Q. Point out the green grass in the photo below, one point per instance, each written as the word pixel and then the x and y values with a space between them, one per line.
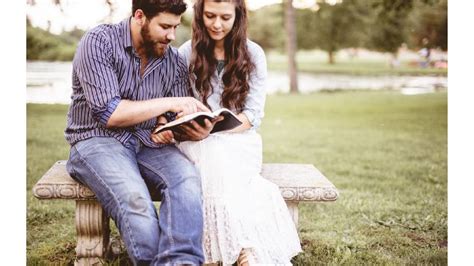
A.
pixel 375 64
pixel 385 152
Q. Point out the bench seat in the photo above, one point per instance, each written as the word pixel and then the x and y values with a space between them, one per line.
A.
pixel 297 183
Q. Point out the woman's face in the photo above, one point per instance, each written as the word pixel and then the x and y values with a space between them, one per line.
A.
pixel 218 18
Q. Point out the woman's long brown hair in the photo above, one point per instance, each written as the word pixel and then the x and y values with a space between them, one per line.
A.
pixel 238 65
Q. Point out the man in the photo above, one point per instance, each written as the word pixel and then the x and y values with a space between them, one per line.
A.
pixel 124 77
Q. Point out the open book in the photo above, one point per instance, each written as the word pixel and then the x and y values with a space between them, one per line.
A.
pixel 229 122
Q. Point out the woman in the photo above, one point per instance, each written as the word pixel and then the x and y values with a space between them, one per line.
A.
pixel 245 218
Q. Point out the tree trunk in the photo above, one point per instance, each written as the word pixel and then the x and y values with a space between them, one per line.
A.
pixel 331 57
pixel 291 44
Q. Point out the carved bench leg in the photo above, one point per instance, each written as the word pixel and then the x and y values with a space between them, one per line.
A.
pixel 293 208
pixel 92 228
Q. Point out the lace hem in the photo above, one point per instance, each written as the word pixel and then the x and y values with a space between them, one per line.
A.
pixel 225 235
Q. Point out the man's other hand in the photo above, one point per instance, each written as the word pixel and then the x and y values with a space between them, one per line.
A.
pixel 194 132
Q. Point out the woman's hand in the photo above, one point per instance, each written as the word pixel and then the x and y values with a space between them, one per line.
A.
pixel 165 137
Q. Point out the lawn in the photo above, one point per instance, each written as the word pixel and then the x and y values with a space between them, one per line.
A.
pixel 385 152
pixel 367 63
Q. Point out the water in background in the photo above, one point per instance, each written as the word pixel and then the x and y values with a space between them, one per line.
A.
pixel 50 82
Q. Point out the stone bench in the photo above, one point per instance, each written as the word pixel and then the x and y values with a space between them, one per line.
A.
pixel 297 182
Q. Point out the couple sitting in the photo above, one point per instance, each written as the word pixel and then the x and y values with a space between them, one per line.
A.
pixel 215 206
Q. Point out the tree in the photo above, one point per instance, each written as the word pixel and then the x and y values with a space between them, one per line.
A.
pixel 388 30
pixel 429 21
pixel 291 44
pixel 263 24
pixel 333 26
pixel 43 45
pixel 306 29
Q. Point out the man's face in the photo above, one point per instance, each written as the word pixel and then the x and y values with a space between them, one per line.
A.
pixel 158 32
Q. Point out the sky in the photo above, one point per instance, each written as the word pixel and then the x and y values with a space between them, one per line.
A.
pixel 85 14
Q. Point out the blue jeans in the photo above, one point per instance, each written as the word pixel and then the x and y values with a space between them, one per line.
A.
pixel 121 176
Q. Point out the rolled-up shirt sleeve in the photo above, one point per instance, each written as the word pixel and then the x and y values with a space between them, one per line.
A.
pixel 255 102
pixel 97 76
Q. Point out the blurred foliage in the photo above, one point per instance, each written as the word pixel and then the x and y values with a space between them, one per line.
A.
pixel 183 33
pixel 266 27
pixel 333 27
pixel 429 20
pixel 43 45
pixel 381 25
pixel 388 30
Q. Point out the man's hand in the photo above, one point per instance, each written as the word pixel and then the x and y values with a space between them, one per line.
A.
pixel 187 105
pixel 165 137
pixel 193 131
pixel 129 113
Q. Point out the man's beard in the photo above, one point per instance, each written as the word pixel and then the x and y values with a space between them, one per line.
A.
pixel 152 48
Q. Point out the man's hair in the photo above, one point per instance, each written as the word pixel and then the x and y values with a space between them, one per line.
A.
pixel 151 8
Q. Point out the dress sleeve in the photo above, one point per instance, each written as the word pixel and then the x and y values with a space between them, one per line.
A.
pixel 185 51
pixel 255 102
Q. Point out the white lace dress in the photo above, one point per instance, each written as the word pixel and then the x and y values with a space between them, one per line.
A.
pixel 241 208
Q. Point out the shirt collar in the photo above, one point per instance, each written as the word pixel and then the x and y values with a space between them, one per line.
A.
pixel 125 24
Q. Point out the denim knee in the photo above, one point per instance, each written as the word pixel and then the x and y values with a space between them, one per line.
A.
pixel 110 170
pixel 139 204
pixel 188 181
